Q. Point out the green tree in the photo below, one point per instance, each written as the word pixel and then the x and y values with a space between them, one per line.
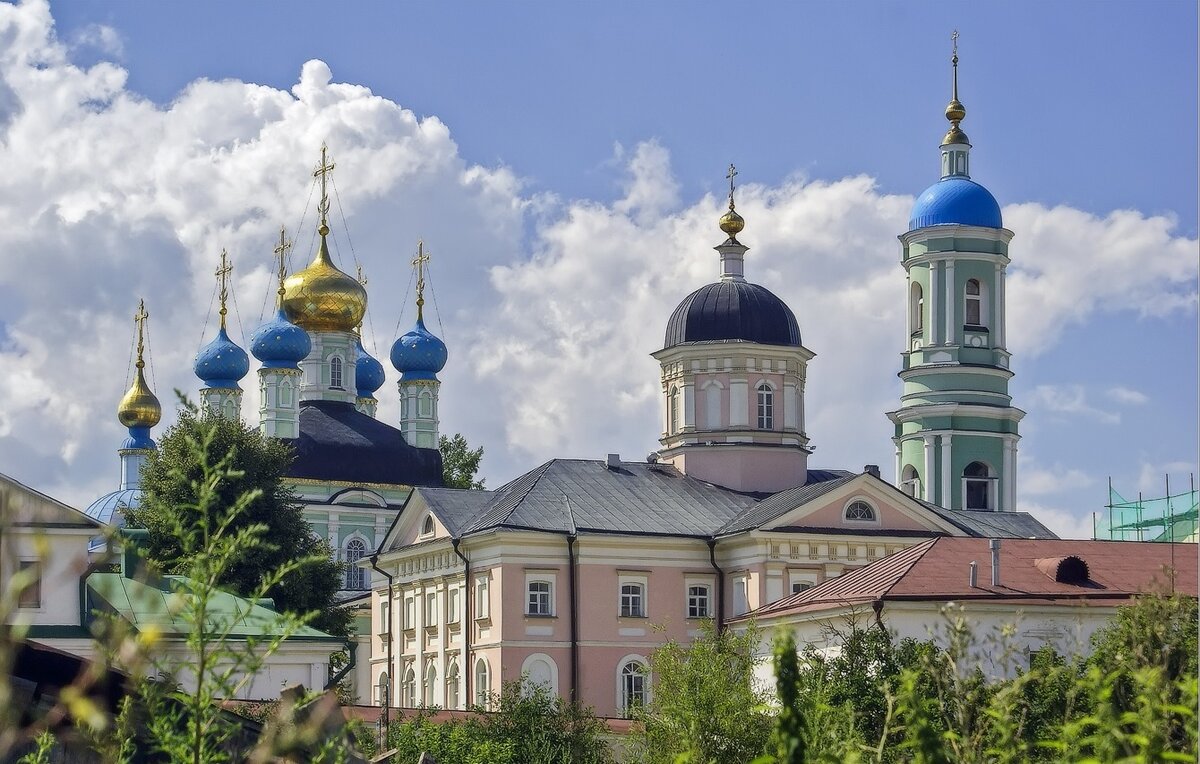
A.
pixel 173 480
pixel 704 706
pixel 460 463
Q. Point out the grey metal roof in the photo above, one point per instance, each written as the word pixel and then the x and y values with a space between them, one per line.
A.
pixel 456 507
pixel 819 482
pixel 565 495
pixel 989 524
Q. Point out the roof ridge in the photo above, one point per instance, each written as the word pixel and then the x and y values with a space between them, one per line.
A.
pixel 498 500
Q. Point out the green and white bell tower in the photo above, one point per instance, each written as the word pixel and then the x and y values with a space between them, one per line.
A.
pixel 956 428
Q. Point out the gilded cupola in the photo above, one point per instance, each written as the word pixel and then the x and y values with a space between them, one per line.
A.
pixel 321 297
pixel 140 407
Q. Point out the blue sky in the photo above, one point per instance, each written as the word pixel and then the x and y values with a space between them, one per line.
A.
pixel 549 148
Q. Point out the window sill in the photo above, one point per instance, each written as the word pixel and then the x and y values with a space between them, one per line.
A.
pixel 624 616
pixel 540 615
pixel 699 618
pixel 483 620
pixel 975 328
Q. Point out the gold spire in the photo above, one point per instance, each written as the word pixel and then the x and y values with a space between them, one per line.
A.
pixel 321 297
pixel 731 222
pixel 222 274
pixel 140 407
pixel 362 281
pixel 955 111
pixel 281 251
pixel 418 262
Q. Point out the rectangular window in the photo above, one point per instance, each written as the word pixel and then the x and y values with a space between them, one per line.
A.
pixel 410 612
pixel 431 609
pixel 799 586
pixel 482 599
pixel 698 602
pixel 633 601
pixel 538 601
pixel 31 595
pixel 452 606
pixel 385 614
pixel 741 600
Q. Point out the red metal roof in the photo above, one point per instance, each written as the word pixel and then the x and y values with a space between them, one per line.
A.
pixel 939 570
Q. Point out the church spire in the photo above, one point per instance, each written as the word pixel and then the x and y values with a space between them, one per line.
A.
pixel 221 364
pixel 732 251
pixel 956 148
pixel 139 410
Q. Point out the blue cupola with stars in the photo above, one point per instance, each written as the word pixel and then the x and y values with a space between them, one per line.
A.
pixel 279 343
pixel 955 199
pixel 368 373
pixel 221 364
pixel 419 354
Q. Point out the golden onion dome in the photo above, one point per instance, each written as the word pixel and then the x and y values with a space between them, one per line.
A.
pixel 732 223
pixel 955 135
pixel 955 111
pixel 321 297
pixel 139 407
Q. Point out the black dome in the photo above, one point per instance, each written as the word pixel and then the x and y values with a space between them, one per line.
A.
pixel 733 310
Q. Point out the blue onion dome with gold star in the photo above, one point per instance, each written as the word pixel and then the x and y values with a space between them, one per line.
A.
pixel 368 372
pixel 955 199
pixel 221 363
pixel 279 343
pixel 419 354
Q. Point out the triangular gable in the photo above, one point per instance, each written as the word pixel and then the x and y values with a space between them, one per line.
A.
pixel 893 509
pixel 25 506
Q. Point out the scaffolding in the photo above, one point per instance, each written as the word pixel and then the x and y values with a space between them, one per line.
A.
pixel 1169 518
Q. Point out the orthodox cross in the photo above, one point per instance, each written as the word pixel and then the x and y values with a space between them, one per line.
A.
pixel 281 253
pixel 323 169
pixel 139 318
pixel 362 280
pixel 731 175
pixel 419 263
pixel 954 61
pixel 222 274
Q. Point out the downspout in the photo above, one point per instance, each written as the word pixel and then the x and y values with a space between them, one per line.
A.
pixel 387 702
pixel 466 670
pixel 712 558
pixel 574 584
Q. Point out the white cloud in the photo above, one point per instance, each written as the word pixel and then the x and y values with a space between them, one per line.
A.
pixel 1066 523
pixel 1069 399
pixel 1127 396
pixel 1038 481
pixel 101 38
pixel 550 307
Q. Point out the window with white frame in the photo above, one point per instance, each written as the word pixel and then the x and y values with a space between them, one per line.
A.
pixel 910 481
pixel 410 612
pixel 452 687
pixel 741 598
pixel 974 303
pixel 356 577
pixel 431 609
pixel 427 526
pixel 410 688
pixel 699 601
pixel 539 600
pixel 861 511
pixel 634 685
pixel 633 600
pixel 766 407
pixel 482 600
pixel 916 308
pixel 385 615
pixel 452 599
pixel 977 486
pixel 335 372
pixel 483 684
pixel 675 406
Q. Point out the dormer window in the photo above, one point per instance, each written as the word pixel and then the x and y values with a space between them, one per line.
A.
pixel 427 526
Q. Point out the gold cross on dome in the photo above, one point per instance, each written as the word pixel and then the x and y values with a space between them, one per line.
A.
pixel 419 263
pixel 139 318
pixel 731 175
pixel 362 280
pixel 323 170
pixel 222 274
pixel 281 251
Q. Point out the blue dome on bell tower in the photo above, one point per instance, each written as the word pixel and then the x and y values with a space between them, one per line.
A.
pixel 221 363
pixel 955 200
pixel 368 372
pixel 419 354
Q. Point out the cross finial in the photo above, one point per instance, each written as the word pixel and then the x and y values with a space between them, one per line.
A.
pixel 222 274
pixel 281 251
pixel 954 61
pixel 139 318
pixel 419 263
pixel 731 175
pixel 323 170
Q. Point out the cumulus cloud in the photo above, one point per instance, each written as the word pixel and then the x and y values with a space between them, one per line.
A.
pixel 1127 396
pixel 550 306
pixel 1069 399
pixel 1040 481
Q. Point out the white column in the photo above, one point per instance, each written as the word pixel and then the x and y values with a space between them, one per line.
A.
pixel 1010 483
pixel 908 310
pixel 947 497
pixel 931 297
pixel 927 478
pixel 896 481
pixel 689 406
pixel 998 298
pixel 951 331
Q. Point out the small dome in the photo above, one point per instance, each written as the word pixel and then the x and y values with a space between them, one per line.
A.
pixel 732 223
pixel 279 343
pixel 322 298
pixel 955 201
pixel 139 407
pixel 368 373
pixel 733 310
pixel 221 363
pixel 419 354
pixel 108 509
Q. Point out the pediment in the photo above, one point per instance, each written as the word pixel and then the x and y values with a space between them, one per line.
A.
pixel 891 508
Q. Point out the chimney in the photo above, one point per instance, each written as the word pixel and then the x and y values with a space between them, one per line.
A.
pixel 973 574
pixel 872 470
pixel 614 462
pixel 994 546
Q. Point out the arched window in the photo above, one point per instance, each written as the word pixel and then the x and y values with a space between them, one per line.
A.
pixel 633 686
pixel 539 670
pixel 860 511
pixel 916 308
pixel 335 372
pixel 427 526
pixel 633 601
pixel 356 577
pixel 452 679
pixel 910 481
pixel 384 690
pixel 231 411
pixel 425 404
pixel 483 687
pixel 974 304
pixel 285 394
pixel 674 406
pixel 410 688
pixel 430 695
pixel 766 407
pixel 977 486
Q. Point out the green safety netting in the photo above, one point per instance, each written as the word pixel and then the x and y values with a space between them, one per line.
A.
pixel 1169 518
